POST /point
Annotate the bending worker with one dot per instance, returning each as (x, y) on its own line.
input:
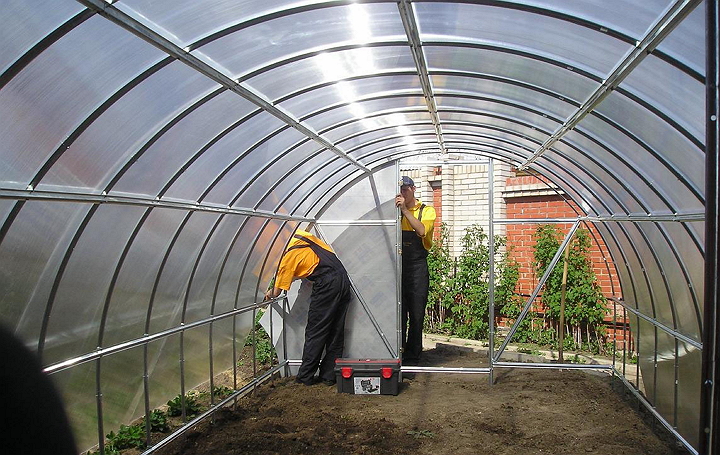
(309, 257)
(417, 231)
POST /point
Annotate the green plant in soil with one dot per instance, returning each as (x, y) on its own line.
(158, 421)
(264, 351)
(192, 407)
(221, 391)
(127, 437)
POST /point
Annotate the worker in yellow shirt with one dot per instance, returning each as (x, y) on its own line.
(309, 257)
(417, 225)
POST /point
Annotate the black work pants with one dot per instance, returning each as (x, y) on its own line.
(415, 284)
(325, 329)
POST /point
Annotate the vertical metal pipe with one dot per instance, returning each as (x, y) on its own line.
(234, 349)
(254, 343)
(146, 393)
(98, 403)
(398, 267)
(284, 335)
(182, 375)
(709, 398)
(212, 374)
(614, 338)
(637, 364)
(625, 341)
(491, 272)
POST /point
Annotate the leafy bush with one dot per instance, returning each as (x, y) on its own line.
(264, 351)
(222, 391)
(158, 421)
(192, 407)
(585, 307)
(127, 437)
(458, 295)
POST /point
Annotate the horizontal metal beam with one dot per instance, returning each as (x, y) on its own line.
(164, 44)
(144, 201)
(562, 366)
(659, 325)
(356, 222)
(661, 28)
(631, 218)
(102, 352)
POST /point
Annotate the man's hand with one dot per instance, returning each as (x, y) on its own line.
(270, 294)
(399, 201)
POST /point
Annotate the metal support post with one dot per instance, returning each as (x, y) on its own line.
(491, 272)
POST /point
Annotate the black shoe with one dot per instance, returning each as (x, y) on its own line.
(312, 381)
(329, 382)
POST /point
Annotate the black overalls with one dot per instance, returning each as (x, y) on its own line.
(325, 327)
(415, 284)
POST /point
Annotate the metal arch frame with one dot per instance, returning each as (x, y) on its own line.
(662, 27)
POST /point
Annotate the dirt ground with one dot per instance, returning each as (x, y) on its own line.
(524, 412)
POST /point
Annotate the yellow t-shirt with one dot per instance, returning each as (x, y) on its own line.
(428, 220)
(299, 262)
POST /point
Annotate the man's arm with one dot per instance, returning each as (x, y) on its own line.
(272, 293)
(416, 224)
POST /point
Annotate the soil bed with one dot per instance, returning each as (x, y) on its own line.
(524, 412)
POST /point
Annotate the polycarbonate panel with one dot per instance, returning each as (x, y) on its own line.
(511, 113)
(630, 166)
(31, 251)
(116, 137)
(341, 114)
(190, 20)
(206, 268)
(654, 304)
(121, 384)
(289, 193)
(254, 47)
(351, 92)
(557, 79)
(687, 42)
(78, 389)
(676, 150)
(163, 370)
(332, 66)
(564, 41)
(482, 119)
(6, 205)
(674, 92)
(375, 124)
(76, 317)
(57, 91)
(262, 163)
(23, 24)
(408, 134)
(196, 356)
(368, 254)
(227, 292)
(631, 18)
(644, 334)
(291, 166)
(133, 291)
(223, 153)
(169, 301)
(504, 92)
(266, 246)
(372, 198)
(178, 146)
(688, 401)
(664, 398)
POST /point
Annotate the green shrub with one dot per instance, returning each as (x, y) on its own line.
(192, 407)
(127, 437)
(264, 351)
(158, 421)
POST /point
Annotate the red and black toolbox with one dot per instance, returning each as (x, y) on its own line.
(367, 376)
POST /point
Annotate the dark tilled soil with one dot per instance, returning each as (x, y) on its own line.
(524, 412)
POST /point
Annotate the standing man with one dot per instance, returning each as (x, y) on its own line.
(417, 231)
(309, 257)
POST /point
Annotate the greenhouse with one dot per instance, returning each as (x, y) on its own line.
(157, 157)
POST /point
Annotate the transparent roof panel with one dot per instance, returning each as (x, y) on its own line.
(56, 92)
(114, 138)
(558, 79)
(684, 102)
(376, 121)
(333, 66)
(21, 27)
(253, 48)
(686, 42)
(351, 92)
(523, 31)
(224, 153)
(188, 137)
(630, 18)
